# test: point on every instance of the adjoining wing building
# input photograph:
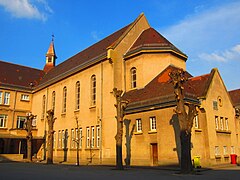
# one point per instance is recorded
(137, 60)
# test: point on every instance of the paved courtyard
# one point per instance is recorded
(37, 171)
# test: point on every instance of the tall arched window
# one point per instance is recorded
(133, 77)
(53, 100)
(77, 106)
(93, 90)
(64, 107)
(43, 106)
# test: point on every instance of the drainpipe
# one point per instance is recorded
(45, 127)
(14, 108)
(101, 113)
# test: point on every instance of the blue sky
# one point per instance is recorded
(208, 31)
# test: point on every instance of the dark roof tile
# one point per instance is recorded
(235, 96)
(94, 51)
(150, 38)
(17, 75)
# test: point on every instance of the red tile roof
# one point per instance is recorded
(151, 39)
(160, 89)
(235, 96)
(85, 56)
(17, 75)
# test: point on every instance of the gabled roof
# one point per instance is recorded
(150, 39)
(235, 96)
(160, 92)
(83, 58)
(13, 75)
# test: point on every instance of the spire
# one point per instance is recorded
(50, 57)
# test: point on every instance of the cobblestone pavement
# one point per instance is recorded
(39, 171)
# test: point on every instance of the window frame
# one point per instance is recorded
(153, 123)
(216, 150)
(226, 124)
(25, 97)
(53, 100)
(1, 97)
(92, 137)
(133, 73)
(77, 96)
(221, 124)
(93, 90)
(64, 103)
(21, 122)
(225, 150)
(215, 105)
(6, 100)
(59, 139)
(216, 123)
(87, 137)
(43, 106)
(72, 139)
(80, 136)
(139, 125)
(98, 137)
(54, 140)
(63, 139)
(3, 120)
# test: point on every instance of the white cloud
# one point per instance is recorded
(225, 56)
(26, 8)
(209, 30)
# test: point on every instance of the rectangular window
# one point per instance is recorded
(53, 99)
(88, 137)
(98, 137)
(25, 97)
(196, 122)
(76, 138)
(93, 139)
(77, 96)
(226, 124)
(1, 95)
(217, 153)
(215, 105)
(63, 139)
(59, 139)
(93, 90)
(72, 139)
(43, 106)
(3, 121)
(139, 125)
(216, 122)
(153, 124)
(225, 150)
(221, 123)
(6, 98)
(54, 140)
(64, 107)
(232, 150)
(21, 122)
(80, 136)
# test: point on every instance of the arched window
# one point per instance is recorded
(53, 100)
(93, 90)
(133, 77)
(77, 106)
(64, 108)
(43, 106)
